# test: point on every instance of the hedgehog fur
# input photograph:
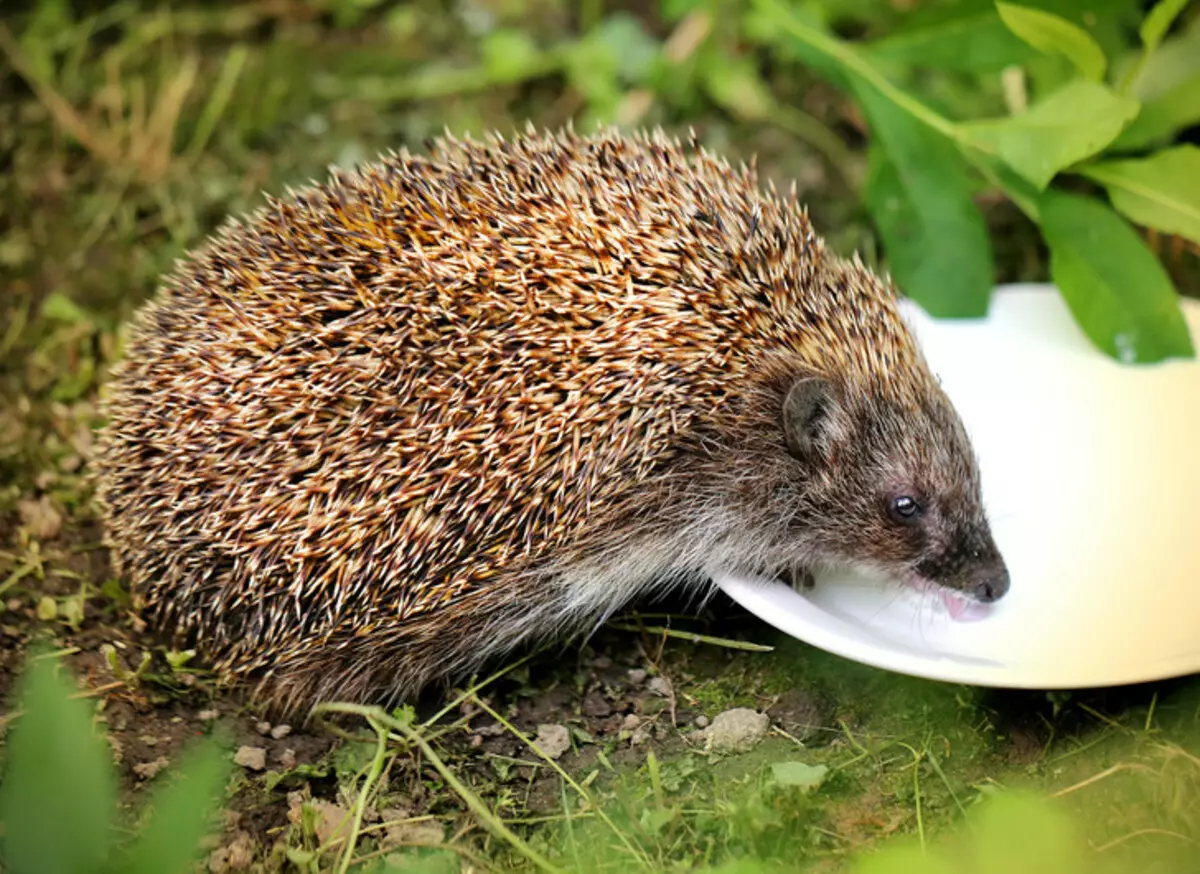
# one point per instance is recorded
(400, 422)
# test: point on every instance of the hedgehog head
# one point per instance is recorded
(891, 485)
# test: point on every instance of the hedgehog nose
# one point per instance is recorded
(990, 585)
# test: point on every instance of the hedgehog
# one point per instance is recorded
(398, 423)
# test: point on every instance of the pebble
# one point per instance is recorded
(637, 728)
(736, 730)
(553, 740)
(414, 832)
(40, 518)
(281, 731)
(237, 856)
(332, 821)
(701, 721)
(287, 759)
(595, 705)
(660, 686)
(254, 758)
(148, 770)
(263, 727)
(637, 676)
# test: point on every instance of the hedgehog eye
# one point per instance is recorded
(905, 509)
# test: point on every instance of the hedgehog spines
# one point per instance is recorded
(436, 384)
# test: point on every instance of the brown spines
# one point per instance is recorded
(376, 398)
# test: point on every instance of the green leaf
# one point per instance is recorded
(1115, 287)
(1162, 191)
(978, 42)
(919, 194)
(800, 775)
(1074, 123)
(181, 815)
(60, 308)
(1163, 116)
(798, 35)
(629, 44)
(733, 84)
(1051, 34)
(1158, 21)
(1176, 60)
(508, 54)
(58, 792)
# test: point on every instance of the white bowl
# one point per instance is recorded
(1091, 477)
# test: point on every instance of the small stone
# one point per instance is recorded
(208, 715)
(637, 676)
(701, 721)
(636, 729)
(235, 856)
(659, 686)
(263, 727)
(414, 833)
(281, 731)
(553, 740)
(40, 518)
(601, 662)
(254, 758)
(395, 814)
(295, 800)
(737, 730)
(148, 770)
(287, 759)
(594, 705)
(333, 820)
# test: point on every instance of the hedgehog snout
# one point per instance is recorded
(989, 583)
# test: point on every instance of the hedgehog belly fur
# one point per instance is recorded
(411, 417)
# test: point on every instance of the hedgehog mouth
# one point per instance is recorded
(960, 606)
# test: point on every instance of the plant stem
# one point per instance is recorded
(854, 62)
(493, 823)
(525, 739)
(360, 803)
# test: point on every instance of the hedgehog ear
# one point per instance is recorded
(804, 410)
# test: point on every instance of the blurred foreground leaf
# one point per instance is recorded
(58, 791)
(180, 819)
